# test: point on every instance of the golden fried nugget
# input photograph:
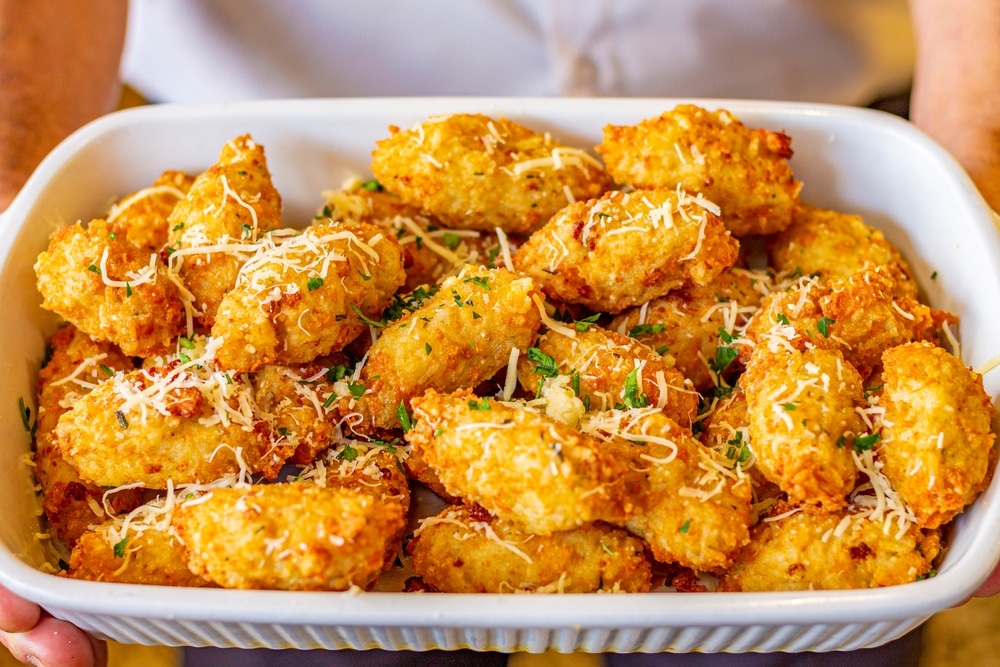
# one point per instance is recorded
(433, 250)
(296, 402)
(109, 288)
(288, 536)
(374, 469)
(626, 248)
(306, 296)
(857, 315)
(518, 464)
(833, 551)
(609, 369)
(802, 422)
(466, 550)
(171, 423)
(937, 441)
(474, 172)
(745, 171)
(144, 213)
(459, 337)
(230, 205)
(692, 507)
(831, 244)
(686, 324)
(153, 556)
(76, 365)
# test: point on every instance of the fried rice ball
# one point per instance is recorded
(153, 556)
(231, 204)
(518, 464)
(307, 296)
(294, 536)
(624, 249)
(459, 337)
(806, 551)
(474, 172)
(830, 244)
(745, 171)
(433, 251)
(802, 422)
(609, 369)
(165, 424)
(296, 401)
(94, 278)
(696, 324)
(857, 315)
(144, 213)
(467, 550)
(692, 508)
(76, 365)
(937, 441)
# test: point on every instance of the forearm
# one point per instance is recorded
(956, 90)
(58, 70)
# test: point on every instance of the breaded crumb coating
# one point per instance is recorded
(474, 172)
(165, 424)
(806, 551)
(229, 205)
(153, 556)
(98, 281)
(857, 315)
(830, 244)
(517, 463)
(609, 369)
(692, 506)
(144, 213)
(433, 251)
(460, 336)
(803, 420)
(466, 550)
(937, 440)
(745, 171)
(626, 248)
(686, 324)
(76, 365)
(305, 296)
(295, 536)
(295, 401)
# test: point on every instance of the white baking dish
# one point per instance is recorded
(853, 160)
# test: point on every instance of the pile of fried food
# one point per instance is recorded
(586, 361)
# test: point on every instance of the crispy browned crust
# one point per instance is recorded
(467, 550)
(463, 169)
(745, 171)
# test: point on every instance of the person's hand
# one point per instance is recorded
(991, 586)
(35, 638)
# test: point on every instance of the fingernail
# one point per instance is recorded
(32, 660)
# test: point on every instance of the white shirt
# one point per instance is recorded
(840, 51)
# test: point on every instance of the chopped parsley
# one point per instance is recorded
(403, 416)
(633, 398)
(685, 527)
(372, 185)
(347, 454)
(120, 547)
(863, 443)
(314, 283)
(545, 364)
(452, 240)
(479, 282)
(357, 389)
(587, 322)
(121, 419)
(93, 268)
(482, 404)
(644, 329)
(724, 357)
(781, 319)
(823, 326)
